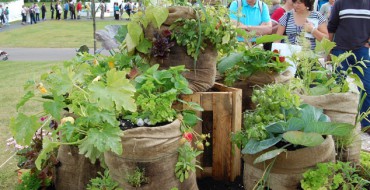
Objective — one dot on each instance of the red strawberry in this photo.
(188, 136)
(281, 59)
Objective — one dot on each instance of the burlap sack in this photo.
(259, 79)
(154, 150)
(75, 170)
(341, 107)
(201, 74)
(288, 168)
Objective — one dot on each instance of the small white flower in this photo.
(96, 79)
(140, 122)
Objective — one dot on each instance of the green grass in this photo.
(13, 76)
(53, 34)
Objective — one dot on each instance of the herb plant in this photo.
(365, 165)
(340, 175)
(103, 182)
(137, 177)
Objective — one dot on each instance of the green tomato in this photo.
(258, 119)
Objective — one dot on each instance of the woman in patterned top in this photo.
(303, 19)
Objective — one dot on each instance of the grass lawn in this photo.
(13, 76)
(54, 34)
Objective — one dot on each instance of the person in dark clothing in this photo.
(32, 15)
(72, 10)
(52, 10)
(43, 11)
(128, 8)
(349, 28)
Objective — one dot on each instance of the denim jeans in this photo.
(361, 54)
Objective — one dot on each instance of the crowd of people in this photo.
(69, 10)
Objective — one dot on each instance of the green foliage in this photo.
(23, 128)
(340, 175)
(103, 182)
(305, 128)
(30, 181)
(157, 90)
(365, 165)
(137, 178)
(187, 161)
(243, 64)
(212, 26)
(315, 79)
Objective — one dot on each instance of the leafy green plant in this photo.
(187, 161)
(29, 181)
(137, 178)
(315, 79)
(340, 175)
(365, 165)
(211, 26)
(103, 182)
(273, 102)
(244, 63)
(306, 128)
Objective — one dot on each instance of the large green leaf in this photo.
(97, 116)
(324, 45)
(47, 147)
(303, 138)
(61, 81)
(329, 128)
(277, 128)
(229, 61)
(268, 155)
(319, 90)
(117, 91)
(144, 46)
(134, 31)
(23, 128)
(54, 108)
(157, 14)
(310, 114)
(98, 141)
(25, 99)
(269, 38)
(253, 146)
(294, 124)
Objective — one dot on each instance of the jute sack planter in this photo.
(288, 168)
(154, 150)
(75, 170)
(341, 107)
(259, 79)
(201, 75)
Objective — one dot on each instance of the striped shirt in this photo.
(293, 31)
(350, 21)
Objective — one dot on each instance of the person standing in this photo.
(37, 12)
(255, 16)
(275, 5)
(121, 8)
(79, 9)
(128, 8)
(66, 7)
(326, 9)
(1, 15)
(116, 11)
(102, 9)
(32, 14)
(72, 9)
(88, 10)
(43, 11)
(303, 19)
(24, 13)
(349, 28)
(6, 14)
(59, 10)
(52, 10)
(278, 13)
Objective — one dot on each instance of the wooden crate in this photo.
(225, 103)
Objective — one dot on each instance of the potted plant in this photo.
(289, 144)
(324, 87)
(90, 97)
(251, 66)
(182, 35)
